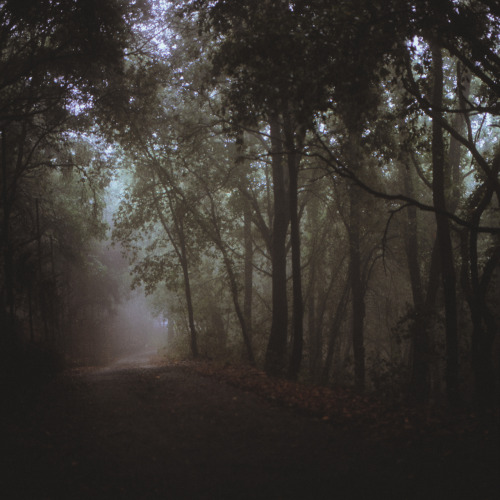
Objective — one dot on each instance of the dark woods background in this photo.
(311, 187)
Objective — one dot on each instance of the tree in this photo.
(276, 91)
(152, 203)
(475, 53)
(234, 131)
(58, 57)
(443, 230)
(476, 280)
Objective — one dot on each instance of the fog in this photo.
(107, 319)
(133, 329)
(127, 326)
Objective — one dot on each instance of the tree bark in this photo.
(358, 303)
(277, 345)
(313, 320)
(187, 288)
(248, 267)
(484, 326)
(335, 323)
(453, 174)
(443, 231)
(294, 143)
(420, 355)
(355, 266)
(412, 245)
(247, 237)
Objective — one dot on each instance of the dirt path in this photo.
(138, 432)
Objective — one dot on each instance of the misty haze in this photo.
(249, 250)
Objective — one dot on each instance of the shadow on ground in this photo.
(137, 430)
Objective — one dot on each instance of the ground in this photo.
(144, 430)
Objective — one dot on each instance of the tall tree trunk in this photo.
(453, 174)
(314, 333)
(358, 303)
(443, 230)
(419, 381)
(248, 266)
(277, 345)
(313, 321)
(187, 288)
(355, 266)
(333, 334)
(247, 238)
(294, 143)
(412, 245)
(484, 325)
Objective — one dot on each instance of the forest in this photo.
(307, 187)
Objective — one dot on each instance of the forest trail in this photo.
(139, 431)
(141, 359)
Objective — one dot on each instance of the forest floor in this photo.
(147, 429)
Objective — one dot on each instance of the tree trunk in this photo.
(216, 237)
(314, 333)
(484, 327)
(314, 327)
(239, 313)
(248, 271)
(247, 238)
(187, 288)
(294, 149)
(335, 323)
(443, 231)
(180, 247)
(453, 174)
(358, 303)
(412, 245)
(355, 265)
(277, 345)
(419, 379)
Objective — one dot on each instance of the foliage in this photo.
(58, 59)
(350, 141)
